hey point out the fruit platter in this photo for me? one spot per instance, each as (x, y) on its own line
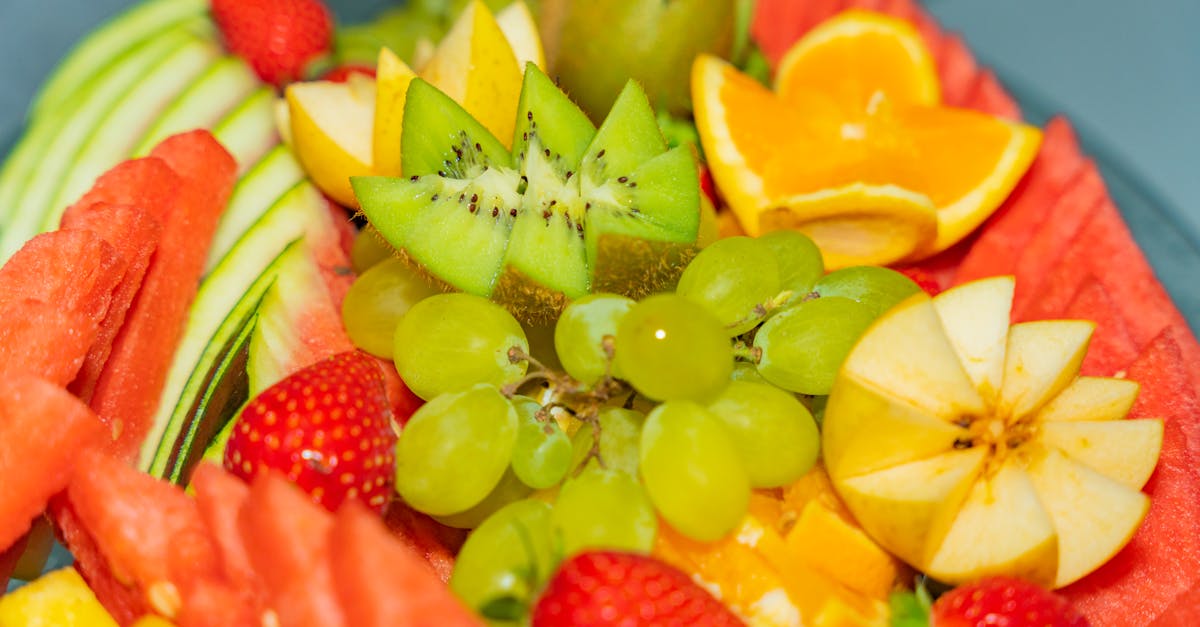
(768, 313)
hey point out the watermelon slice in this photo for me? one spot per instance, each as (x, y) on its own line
(369, 569)
(424, 536)
(1006, 233)
(777, 24)
(1163, 559)
(125, 603)
(147, 183)
(1111, 348)
(149, 531)
(988, 95)
(1183, 610)
(220, 497)
(128, 389)
(134, 234)
(287, 538)
(1041, 254)
(956, 69)
(42, 429)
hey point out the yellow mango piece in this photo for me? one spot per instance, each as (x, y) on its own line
(56, 599)
(842, 551)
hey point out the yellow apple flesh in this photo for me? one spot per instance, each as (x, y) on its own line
(332, 126)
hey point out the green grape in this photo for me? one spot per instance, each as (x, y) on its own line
(509, 490)
(542, 454)
(773, 431)
(803, 346)
(506, 561)
(878, 288)
(604, 509)
(449, 342)
(800, 261)
(620, 433)
(454, 450)
(579, 334)
(693, 471)
(376, 301)
(730, 278)
(746, 371)
(368, 249)
(668, 347)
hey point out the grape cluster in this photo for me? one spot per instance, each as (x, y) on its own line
(674, 408)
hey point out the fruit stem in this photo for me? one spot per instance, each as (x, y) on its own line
(752, 354)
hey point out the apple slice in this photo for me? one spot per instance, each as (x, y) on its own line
(1042, 359)
(880, 431)
(936, 382)
(1091, 398)
(1098, 515)
(1125, 451)
(331, 129)
(975, 318)
(521, 30)
(1035, 478)
(392, 77)
(1001, 528)
(908, 508)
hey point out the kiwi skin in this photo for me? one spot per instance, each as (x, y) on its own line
(577, 210)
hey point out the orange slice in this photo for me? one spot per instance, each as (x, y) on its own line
(857, 54)
(854, 149)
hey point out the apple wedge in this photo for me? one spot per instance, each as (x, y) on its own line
(332, 126)
(971, 447)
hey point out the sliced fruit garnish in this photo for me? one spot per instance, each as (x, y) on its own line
(521, 30)
(853, 148)
(331, 129)
(1037, 478)
(392, 77)
(571, 209)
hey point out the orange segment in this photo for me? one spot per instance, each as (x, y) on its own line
(857, 54)
(853, 149)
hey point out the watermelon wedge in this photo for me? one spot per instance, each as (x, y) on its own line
(956, 69)
(127, 392)
(369, 566)
(1182, 612)
(149, 531)
(436, 543)
(988, 95)
(42, 429)
(1041, 254)
(134, 233)
(1111, 348)
(125, 603)
(1163, 559)
(220, 497)
(287, 538)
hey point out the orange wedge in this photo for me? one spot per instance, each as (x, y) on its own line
(853, 148)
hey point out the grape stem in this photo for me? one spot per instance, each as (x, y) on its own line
(752, 354)
(764, 309)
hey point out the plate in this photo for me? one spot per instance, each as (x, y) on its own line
(1160, 228)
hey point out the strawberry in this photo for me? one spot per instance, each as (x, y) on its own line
(609, 588)
(278, 38)
(1004, 601)
(327, 427)
(341, 73)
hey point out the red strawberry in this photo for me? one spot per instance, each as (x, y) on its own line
(341, 73)
(278, 38)
(607, 588)
(327, 427)
(1004, 601)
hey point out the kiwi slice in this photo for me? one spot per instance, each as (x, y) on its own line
(568, 211)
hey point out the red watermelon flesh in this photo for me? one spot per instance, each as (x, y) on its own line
(1111, 348)
(150, 532)
(43, 339)
(1006, 233)
(381, 582)
(777, 24)
(148, 183)
(403, 401)
(989, 96)
(1163, 559)
(128, 390)
(287, 538)
(220, 496)
(124, 602)
(424, 536)
(215, 603)
(1041, 254)
(42, 429)
(134, 233)
(956, 69)
(1183, 610)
